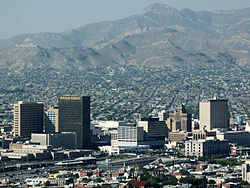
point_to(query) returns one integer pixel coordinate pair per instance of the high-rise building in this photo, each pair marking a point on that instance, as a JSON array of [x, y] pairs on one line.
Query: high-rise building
[[155, 131], [74, 116], [180, 120], [28, 118], [51, 120], [214, 114], [130, 135]]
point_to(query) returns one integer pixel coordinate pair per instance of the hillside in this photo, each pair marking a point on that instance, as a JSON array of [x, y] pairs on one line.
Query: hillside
[[161, 36]]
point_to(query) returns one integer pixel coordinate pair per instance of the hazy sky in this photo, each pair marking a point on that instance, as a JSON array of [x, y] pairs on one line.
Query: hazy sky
[[33, 16]]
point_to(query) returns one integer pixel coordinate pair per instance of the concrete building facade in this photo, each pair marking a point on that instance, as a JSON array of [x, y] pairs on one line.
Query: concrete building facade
[[203, 147], [129, 135], [180, 120], [178, 136], [66, 140], [214, 114]]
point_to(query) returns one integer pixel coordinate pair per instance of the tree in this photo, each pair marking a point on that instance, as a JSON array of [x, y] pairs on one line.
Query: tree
[[99, 180], [243, 182], [211, 182], [194, 181], [76, 176], [47, 184], [171, 180], [153, 181], [184, 172]]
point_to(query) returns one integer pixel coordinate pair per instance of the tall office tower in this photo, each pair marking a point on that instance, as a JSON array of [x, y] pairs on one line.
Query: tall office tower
[[28, 118], [155, 131], [51, 120], [74, 116], [179, 120], [214, 114]]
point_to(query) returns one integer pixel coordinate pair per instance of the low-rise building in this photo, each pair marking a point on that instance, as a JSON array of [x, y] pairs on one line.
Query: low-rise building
[[205, 147], [178, 136], [65, 140], [237, 137]]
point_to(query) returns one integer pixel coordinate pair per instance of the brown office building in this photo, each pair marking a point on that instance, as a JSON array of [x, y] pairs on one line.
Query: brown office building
[[179, 120], [28, 118], [74, 116]]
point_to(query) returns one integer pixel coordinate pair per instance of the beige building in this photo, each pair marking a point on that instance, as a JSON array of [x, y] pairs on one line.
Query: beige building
[[178, 136], [51, 120], [28, 118], [203, 147], [205, 143], [40, 152], [179, 120], [214, 114]]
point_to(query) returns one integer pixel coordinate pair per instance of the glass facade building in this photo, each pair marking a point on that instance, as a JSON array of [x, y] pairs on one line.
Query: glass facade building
[[74, 116]]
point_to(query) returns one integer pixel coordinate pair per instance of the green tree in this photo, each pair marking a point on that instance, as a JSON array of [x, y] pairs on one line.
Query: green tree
[[184, 172], [243, 182], [211, 182], [76, 176], [47, 184], [194, 181], [171, 180], [153, 181], [99, 180]]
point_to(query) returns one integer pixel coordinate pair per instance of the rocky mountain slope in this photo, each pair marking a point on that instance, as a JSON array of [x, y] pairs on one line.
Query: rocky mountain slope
[[161, 36]]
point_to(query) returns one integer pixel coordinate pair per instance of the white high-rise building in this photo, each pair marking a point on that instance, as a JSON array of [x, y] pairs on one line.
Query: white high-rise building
[[214, 114]]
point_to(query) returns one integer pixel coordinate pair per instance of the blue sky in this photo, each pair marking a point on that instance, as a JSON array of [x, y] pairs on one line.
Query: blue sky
[[34, 16]]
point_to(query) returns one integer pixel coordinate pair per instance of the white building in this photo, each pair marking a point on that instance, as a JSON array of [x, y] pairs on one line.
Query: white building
[[214, 114], [205, 143], [129, 135], [109, 124]]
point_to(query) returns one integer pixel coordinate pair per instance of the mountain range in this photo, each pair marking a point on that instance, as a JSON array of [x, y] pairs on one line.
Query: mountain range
[[161, 36]]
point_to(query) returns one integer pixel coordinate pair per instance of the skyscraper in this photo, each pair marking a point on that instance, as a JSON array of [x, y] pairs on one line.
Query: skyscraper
[[28, 118], [179, 120], [74, 116], [214, 114], [155, 131]]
